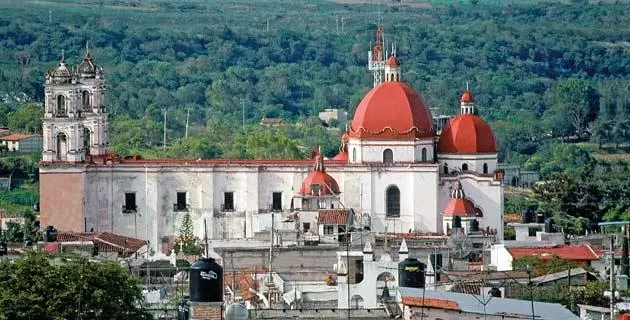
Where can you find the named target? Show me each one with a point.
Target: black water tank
(540, 216)
(527, 216)
(206, 281)
(474, 226)
(50, 235)
(411, 273)
(550, 226)
(457, 222)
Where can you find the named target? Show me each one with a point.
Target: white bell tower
(75, 119)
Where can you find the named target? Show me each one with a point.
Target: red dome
(341, 156)
(460, 207)
(392, 110)
(392, 61)
(467, 133)
(467, 97)
(318, 182)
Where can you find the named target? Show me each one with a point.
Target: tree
(41, 286)
(27, 118)
(187, 241)
(575, 99)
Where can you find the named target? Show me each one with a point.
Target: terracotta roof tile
(16, 137)
(431, 303)
(105, 241)
(565, 252)
(333, 216)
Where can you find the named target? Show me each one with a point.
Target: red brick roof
(565, 252)
(16, 137)
(333, 216)
(105, 241)
(431, 303)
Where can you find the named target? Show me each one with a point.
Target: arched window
(85, 98)
(446, 168)
(465, 167)
(61, 105)
(354, 155)
(392, 201)
(485, 168)
(424, 154)
(87, 140)
(62, 147)
(398, 77)
(388, 156)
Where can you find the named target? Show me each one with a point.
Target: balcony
(180, 207)
(129, 209)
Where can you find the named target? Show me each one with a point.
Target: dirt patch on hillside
(414, 4)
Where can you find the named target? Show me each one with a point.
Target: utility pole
(342, 23)
(531, 291)
(337, 20)
(612, 276)
(49, 16)
(270, 280)
(233, 274)
(267, 25)
(164, 143)
(187, 116)
(243, 112)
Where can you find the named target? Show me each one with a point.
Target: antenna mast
(376, 60)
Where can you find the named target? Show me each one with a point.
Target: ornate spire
(466, 102)
(457, 192)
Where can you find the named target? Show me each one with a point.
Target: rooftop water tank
(206, 281)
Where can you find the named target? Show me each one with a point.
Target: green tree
(41, 286)
(27, 118)
(187, 243)
(575, 99)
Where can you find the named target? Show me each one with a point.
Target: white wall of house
(500, 257)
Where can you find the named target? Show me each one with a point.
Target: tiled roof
(431, 303)
(511, 217)
(333, 216)
(565, 252)
(16, 137)
(105, 241)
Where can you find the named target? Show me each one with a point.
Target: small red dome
(318, 182)
(392, 110)
(392, 61)
(460, 207)
(467, 97)
(467, 133)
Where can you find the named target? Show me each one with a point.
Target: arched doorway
(356, 302)
(62, 147)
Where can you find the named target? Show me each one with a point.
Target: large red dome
(467, 133)
(392, 110)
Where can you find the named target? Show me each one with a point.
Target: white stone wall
(371, 151)
(475, 162)
(500, 257)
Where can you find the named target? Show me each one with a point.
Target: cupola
(318, 182)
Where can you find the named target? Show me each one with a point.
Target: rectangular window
(181, 204)
(329, 229)
(276, 201)
(228, 201)
(130, 203)
(306, 226)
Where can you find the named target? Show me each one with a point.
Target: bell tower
(75, 118)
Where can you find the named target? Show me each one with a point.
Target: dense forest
(552, 78)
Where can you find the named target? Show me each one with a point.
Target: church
(393, 170)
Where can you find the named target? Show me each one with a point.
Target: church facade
(392, 169)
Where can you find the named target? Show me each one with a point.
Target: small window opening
(130, 203)
(181, 204)
(228, 201)
(276, 201)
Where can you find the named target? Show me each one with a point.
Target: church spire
(467, 104)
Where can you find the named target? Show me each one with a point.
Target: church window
(130, 203)
(465, 167)
(228, 201)
(354, 155)
(392, 201)
(306, 226)
(85, 98)
(398, 77)
(424, 154)
(61, 105)
(485, 168)
(62, 147)
(329, 229)
(388, 156)
(182, 203)
(87, 140)
(446, 168)
(276, 204)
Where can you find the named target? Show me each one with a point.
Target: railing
(129, 209)
(180, 207)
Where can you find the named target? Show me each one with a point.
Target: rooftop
(565, 252)
(16, 137)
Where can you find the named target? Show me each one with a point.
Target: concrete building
(427, 304)
(24, 143)
(393, 170)
(338, 115)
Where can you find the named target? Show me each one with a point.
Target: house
(418, 303)
(271, 121)
(25, 143)
(503, 255)
(338, 115)
(333, 224)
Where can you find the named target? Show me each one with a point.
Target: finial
(368, 247)
(63, 56)
(403, 247)
(87, 46)
(466, 85)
